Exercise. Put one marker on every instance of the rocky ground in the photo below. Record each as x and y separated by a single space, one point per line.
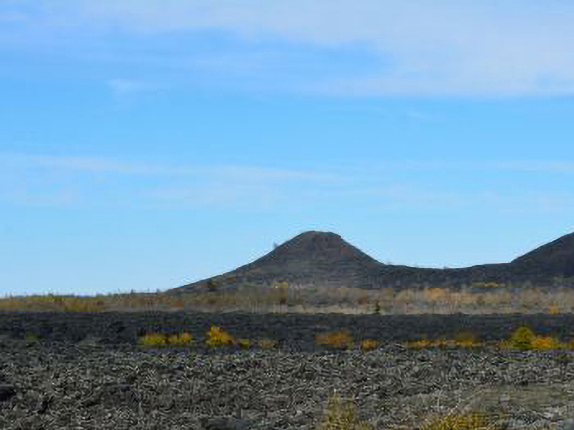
92 384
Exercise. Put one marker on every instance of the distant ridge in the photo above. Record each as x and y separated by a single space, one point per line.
324 259
555 257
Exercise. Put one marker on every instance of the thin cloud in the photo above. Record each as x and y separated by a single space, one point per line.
548 166
80 164
536 166
114 166
218 195
126 87
441 47
64 181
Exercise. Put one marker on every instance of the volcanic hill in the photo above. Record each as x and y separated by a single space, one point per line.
320 259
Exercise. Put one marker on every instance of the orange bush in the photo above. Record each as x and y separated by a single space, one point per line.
341 339
423 343
267 343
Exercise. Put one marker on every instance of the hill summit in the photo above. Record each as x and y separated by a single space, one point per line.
312 258
315 247
324 259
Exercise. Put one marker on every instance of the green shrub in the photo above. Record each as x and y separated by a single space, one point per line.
522 339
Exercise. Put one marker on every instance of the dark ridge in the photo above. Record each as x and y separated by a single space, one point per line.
323 259
554 257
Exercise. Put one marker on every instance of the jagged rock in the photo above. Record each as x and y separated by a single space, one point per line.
225 423
70 386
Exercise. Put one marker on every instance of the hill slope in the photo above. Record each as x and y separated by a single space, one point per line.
556 257
319 259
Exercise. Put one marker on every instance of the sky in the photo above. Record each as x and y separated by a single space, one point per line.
146 144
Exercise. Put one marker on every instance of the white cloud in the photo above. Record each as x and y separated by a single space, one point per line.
439 47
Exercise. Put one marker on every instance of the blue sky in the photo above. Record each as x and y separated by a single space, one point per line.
147 144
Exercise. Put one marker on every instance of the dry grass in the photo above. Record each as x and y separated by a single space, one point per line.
342 415
313 300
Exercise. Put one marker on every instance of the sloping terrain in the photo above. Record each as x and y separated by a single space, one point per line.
309 259
319 259
556 257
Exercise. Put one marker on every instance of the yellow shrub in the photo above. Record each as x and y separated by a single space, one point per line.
468 421
369 345
182 339
522 339
341 339
219 337
153 339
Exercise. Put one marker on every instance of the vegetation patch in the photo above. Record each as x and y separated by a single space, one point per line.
338 340
341 415
159 340
369 345
217 337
